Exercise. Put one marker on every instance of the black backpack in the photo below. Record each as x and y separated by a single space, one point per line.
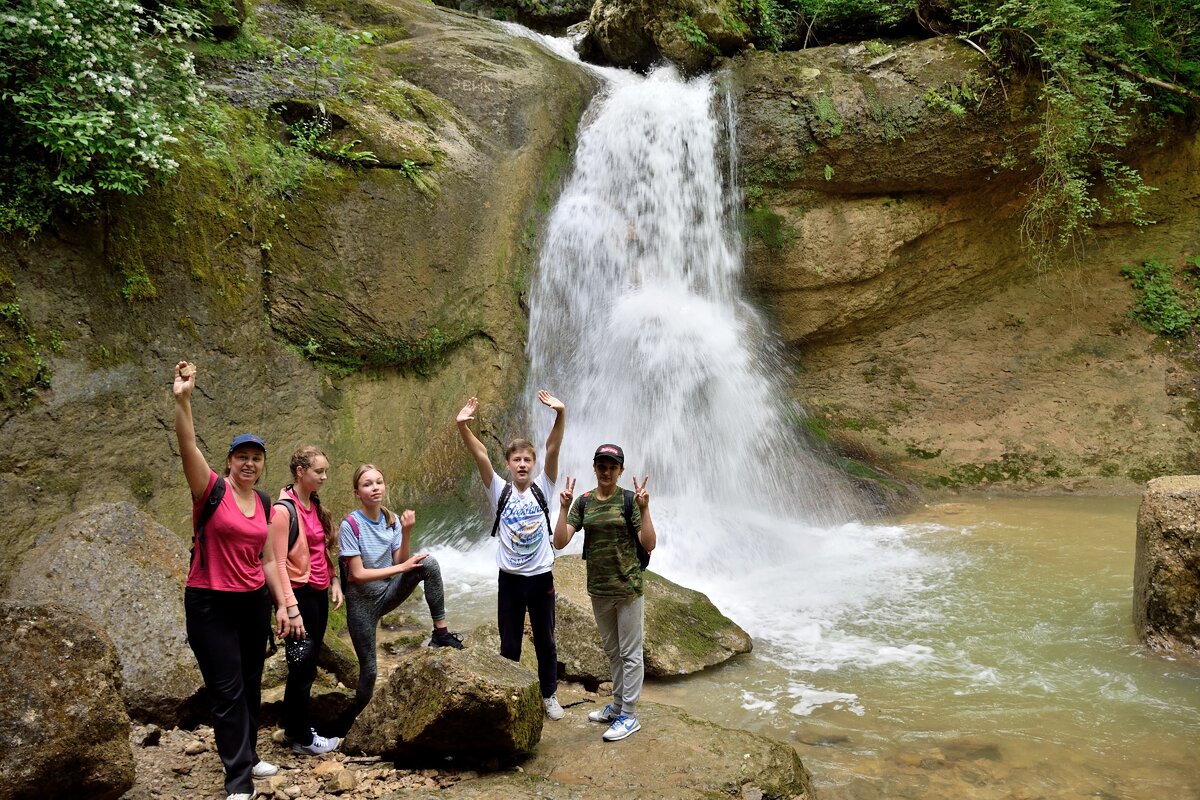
506 492
627 512
210 508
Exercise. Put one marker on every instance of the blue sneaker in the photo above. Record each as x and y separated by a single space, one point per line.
621 727
606 714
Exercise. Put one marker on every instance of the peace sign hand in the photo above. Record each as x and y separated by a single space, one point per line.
568 493
640 494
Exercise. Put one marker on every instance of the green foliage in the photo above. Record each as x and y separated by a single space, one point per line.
93 94
829 121
1168 304
23 370
956 98
769 228
1093 58
309 135
693 35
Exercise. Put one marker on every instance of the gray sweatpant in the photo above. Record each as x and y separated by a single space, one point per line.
367 603
622 622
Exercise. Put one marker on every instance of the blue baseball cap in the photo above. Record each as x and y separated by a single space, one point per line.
246 438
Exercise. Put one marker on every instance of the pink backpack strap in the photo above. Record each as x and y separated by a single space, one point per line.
354 526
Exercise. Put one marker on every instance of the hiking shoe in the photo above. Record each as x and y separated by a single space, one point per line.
446 639
621 727
553 709
606 714
264 769
319 746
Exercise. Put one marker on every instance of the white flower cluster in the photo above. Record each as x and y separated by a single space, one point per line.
103 83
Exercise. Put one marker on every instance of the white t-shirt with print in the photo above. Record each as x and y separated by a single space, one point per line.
525 543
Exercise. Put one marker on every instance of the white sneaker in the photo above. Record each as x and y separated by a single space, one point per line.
606 714
240 796
264 769
553 709
621 727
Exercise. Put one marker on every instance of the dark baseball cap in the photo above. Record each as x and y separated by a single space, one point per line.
610 451
246 438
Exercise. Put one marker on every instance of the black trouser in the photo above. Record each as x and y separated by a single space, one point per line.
228 633
314 609
535 593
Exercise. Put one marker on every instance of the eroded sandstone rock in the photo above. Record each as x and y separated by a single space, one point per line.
440 702
127 572
688 33
64 731
685 632
1166 577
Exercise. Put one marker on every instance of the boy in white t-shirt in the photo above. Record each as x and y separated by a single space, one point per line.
525 555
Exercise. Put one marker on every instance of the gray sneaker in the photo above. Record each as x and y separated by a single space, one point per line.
320 745
553 709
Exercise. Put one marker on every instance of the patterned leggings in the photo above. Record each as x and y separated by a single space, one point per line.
367 603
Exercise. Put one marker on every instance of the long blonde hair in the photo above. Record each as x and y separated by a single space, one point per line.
358 473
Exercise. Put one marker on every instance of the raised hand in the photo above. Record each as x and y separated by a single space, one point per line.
550 401
568 493
468 411
640 494
185 379
408 519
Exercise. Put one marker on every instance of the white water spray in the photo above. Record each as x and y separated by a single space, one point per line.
637 321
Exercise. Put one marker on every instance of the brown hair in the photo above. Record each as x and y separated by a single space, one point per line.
358 473
520 444
303 458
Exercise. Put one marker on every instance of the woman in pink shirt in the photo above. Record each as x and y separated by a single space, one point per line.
226 602
306 575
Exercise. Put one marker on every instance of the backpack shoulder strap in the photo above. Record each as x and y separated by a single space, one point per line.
206 511
293 521
541 499
627 512
265 499
354 525
500 504
581 504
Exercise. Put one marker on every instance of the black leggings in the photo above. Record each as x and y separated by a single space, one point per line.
314 609
535 593
228 633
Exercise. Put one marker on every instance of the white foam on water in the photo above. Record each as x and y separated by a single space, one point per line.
812 698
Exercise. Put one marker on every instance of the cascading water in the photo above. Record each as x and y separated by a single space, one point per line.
638 323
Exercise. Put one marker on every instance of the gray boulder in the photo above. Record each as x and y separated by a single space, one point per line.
64 731
439 702
685 632
1166 576
122 568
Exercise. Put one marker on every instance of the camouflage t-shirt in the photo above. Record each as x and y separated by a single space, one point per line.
612 563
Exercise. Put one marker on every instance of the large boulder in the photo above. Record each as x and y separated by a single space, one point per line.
688 33
542 14
1166 569
127 572
438 702
685 632
64 731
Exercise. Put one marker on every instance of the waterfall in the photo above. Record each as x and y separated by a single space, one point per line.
637 321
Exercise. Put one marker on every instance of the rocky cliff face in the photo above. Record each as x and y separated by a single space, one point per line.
410 289
883 237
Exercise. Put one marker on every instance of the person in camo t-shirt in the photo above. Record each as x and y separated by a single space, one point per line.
614 577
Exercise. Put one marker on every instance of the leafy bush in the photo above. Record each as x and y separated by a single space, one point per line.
92 96
1162 306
